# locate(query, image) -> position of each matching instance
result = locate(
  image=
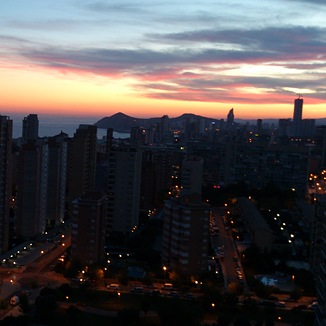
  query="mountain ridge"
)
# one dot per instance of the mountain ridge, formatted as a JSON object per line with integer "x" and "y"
{"x": 121, "y": 122}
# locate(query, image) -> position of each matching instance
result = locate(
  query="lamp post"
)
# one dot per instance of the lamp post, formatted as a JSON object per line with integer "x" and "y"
{"x": 164, "y": 269}
{"x": 41, "y": 260}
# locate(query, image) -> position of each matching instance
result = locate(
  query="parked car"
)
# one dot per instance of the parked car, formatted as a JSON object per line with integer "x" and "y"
{"x": 313, "y": 306}
{"x": 299, "y": 307}
{"x": 113, "y": 286}
{"x": 167, "y": 286}
{"x": 137, "y": 289}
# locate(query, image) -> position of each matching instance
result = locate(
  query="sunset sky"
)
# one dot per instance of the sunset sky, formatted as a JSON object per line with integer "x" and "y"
{"x": 149, "y": 58}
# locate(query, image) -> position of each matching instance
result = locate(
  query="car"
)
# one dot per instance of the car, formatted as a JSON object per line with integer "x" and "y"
{"x": 299, "y": 307}
{"x": 313, "y": 306}
{"x": 113, "y": 286}
{"x": 155, "y": 292}
{"x": 280, "y": 304}
{"x": 289, "y": 299}
{"x": 137, "y": 289}
{"x": 167, "y": 286}
{"x": 188, "y": 295}
{"x": 266, "y": 303}
{"x": 249, "y": 302}
{"x": 174, "y": 294}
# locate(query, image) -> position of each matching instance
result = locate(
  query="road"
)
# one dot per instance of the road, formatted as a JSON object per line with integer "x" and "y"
{"x": 230, "y": 261}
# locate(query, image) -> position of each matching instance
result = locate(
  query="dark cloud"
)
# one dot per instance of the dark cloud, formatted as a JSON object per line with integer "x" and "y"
{"x": 288, "y": 40}
{"x": 105, "y": 7}
{"x": 146, "y": 61}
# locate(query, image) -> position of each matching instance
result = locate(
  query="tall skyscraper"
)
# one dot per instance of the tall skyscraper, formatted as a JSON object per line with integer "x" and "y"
{"x": 30, "y": 128}
{"x": 186, "y": 223}
{"x": 230, "y": 117}
{"x": 192, "y": 175}
{"x": 164, "y": 129}
{"x": 318, "y": 257}
{"x": 5, "y": 179}
{"x": 82, "y": 161}
{"x": 57, "y": 177}
{"x": 88, "y": 231}
{"x": 157, "y": 174}
{"x": 31, "y": 188}
{"x": 123, "y": 188}
{"x": 297, "y": 117}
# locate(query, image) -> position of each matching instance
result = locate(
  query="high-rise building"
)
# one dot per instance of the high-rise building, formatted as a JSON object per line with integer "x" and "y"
{"x": 164, "y": 129}
{"x": 186, "y": 235}
{"x": 318, "y": 257}
{"x": 160, "y": 171}
{"x": 192, "y": 175}
{"x": 284, "y": 127}
{"x": 230, "y": 117}
{"x": 88, "y": 231}
{"x": 57, "y": 176}
{"x": 81, "y": 161}
{"x": 186, "y": 223}
{"x": 30, "y": 128}
{"x": 320, "y": 141}
{"x": 259, "y": 126}
{"x": 123, "y": 188}
{"x": 31, "y": 189}
{"x": 297, "y": 117}
{"x": 5, "y": 179}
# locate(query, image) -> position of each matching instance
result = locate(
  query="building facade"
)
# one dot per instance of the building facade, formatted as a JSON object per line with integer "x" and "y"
{"x": 297, "y": 117}
{"x": 5, "y": 179}
{"x": 30, "y": 128}
{"x": 123, "y": 188}
{"x": 57, "y": 177}
{"x": 88, "y": 231}
{"x": 318, "y": 257}
{"x": 185, "y": 235}
{"x": 31, "y": 189}
{"x": 186, "y": 223}
{"x": 81, "y": 162}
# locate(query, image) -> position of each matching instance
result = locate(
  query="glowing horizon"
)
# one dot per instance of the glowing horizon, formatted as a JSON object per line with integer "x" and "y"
{"x": 150, "y": 59}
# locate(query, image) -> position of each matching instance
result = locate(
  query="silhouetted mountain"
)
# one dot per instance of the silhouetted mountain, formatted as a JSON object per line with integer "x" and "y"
{"x": 121, "y": 122}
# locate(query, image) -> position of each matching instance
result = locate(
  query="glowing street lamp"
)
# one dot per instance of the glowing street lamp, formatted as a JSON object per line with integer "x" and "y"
{"x": 164, "y": 269}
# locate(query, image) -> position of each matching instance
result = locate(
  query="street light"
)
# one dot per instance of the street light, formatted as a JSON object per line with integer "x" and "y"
{"x": 164, "y": 269}
{"x": 41, "y": 259}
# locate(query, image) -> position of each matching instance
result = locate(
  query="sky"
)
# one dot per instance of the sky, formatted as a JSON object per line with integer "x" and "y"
{"x": 149, "y": 58}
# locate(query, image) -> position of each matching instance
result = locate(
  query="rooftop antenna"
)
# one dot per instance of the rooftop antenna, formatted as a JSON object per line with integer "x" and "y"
{"x": 300, "y": 96}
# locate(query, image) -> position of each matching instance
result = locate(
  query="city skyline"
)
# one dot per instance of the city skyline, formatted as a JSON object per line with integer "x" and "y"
{"x": 98, "y": 58}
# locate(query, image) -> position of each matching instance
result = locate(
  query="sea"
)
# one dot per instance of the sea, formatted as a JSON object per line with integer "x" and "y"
{"x": 51, "y": 125}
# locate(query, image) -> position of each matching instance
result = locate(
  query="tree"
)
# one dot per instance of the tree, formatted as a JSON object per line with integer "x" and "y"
{"x": 224, "y": 320}
{"x": 45, "y": 305}
{"x": 23, "y": 303}
{"x": 177, "y": 312}
{"x": 127, "y": 316}
{"x": 123, "y": 277}
{"x": 65, "y": 289}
